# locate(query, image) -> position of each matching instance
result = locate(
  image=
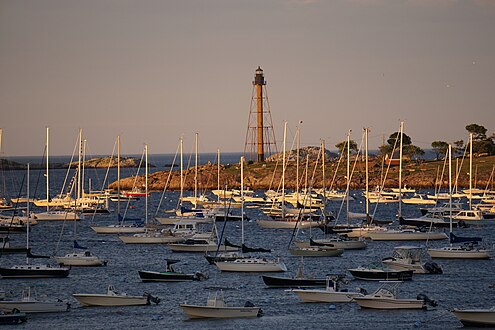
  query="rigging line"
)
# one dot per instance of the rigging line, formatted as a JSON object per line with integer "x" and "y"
{"x": 15, "y": 212}
{"x": 39, "y": 175}
{"x": 168, "y": 180}
{"x": 133, "y": 186}
{"x": 69, "y": 167}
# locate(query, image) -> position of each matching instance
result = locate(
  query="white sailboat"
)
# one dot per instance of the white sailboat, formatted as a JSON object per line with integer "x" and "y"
{"x": 250, "y": 264}
{"x": 469, "y": 250}
{"x": 76, "y": 258}
{"x": 62, "y": 215}
{"x": 119, "y": 228}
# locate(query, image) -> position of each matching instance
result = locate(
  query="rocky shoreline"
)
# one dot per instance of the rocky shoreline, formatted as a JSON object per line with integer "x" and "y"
{"x": 263, "y": 176}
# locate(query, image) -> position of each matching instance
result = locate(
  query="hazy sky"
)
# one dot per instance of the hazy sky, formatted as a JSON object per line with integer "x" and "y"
{"x": 152, "y": 71}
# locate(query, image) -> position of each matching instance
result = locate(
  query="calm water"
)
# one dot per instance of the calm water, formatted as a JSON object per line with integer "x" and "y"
{"x": 463, "y": 284}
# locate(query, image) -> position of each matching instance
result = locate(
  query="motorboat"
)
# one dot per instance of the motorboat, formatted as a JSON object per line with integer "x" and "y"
{"x": 114, "y": 298}
{"x": 379, "y": 272}
{"x": 170, "y": 274}
{"x": 418, "y": 199}
{"x": 408, "y": 257}
{"x": 216, "y": 308}
{"x": 331, "y": 294}
{"x": 387, "y": 297}
{"x": 476, "y": 317}
{"x": 30, "y": 304}
{"x": 85, "y": 258}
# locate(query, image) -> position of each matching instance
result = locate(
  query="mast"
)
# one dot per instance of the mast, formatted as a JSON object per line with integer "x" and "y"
{"x": 323, "y": 185}
{"x": 348, "y": 174}
{"x": 27, "y": 214}
{"x": 196, "y": 172}
{"x": 367, "y": 172}
{"x": 242, "y": 200}
{"x": 78, "y": 195}
{"x": 450, "y": 187}
{"x": 118, "y": 175}
{"x": 83, "y": 168}
{"x": 470, "y": 170}
{"x": 146, "y": 182}
{"x": 283, "y": 172}
{"x": 181, "y": 174}
{"x": 400, "y": 167}
{"x": 218, "y": 173}
{"x": 297, "y": 163}
{"x": 47, "y": 172}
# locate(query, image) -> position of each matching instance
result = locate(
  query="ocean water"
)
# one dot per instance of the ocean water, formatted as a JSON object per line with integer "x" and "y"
{"x": 463, "y": 284}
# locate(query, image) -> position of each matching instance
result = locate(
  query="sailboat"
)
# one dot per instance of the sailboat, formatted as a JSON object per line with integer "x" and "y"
{"x": 405, "y": 234}
{"x": 49, "y": 214}
{"x": 32, "y": 270}
{"x": 119, "y": 228}
{"x": 85, "y": 258}
{"x": 170, "y": 274}
{"x": 250, "y": 264}
{"x": 470, "y": 249}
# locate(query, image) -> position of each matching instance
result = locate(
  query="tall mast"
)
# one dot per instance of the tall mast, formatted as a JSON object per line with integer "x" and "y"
{"x": 47, "y": 171}
{"x": 283, "y": 172}
{"x": 118, "y": 175}
{"x": 218, "y": 173}
{"x": 27, "y": 213}
{"x": 196, "y": 172}
{"x": 146, "y": 182}
{"x": 450, "y": 187}
{"x": 470, "y": 170}
{"x": 367, "y": 171}
{"x": 83, "y": 167}
{"x": 297, "y": 163}
{"x": 400, "y": 167}
{"x": 323, "y": 170}
{"x": 242, "y": 199}
{"x": 181, "y": 174}
{"x": 348, "y": 174}
{"x": 78, "y": 195}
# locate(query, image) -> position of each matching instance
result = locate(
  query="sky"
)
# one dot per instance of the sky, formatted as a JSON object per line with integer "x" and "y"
{"x": 152, "y": 71}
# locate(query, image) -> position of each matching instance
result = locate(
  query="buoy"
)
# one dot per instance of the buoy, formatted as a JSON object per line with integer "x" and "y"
{"x": 332, "y": 307}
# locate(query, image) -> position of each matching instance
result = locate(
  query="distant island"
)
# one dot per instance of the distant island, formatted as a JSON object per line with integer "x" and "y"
{"x": 97, "y": 162}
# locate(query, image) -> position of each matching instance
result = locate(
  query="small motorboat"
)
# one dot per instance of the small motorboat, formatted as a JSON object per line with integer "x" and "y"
{"x": 332, "y": 293}
{"x": 30, "y": 304}
{"x": 170, "y": 275}
{"x": 387, "y": 297}
{"x": 114, "y": 298}
{"x": 14, "y": 317}
{"x": 476, "y": 317}
{"x": 409, "y": 258}
{"x": 216, "y": 308}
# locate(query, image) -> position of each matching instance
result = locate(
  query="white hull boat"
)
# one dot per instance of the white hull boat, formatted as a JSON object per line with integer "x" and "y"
{"x": 81, "y": 259}
{"x": 386, "y": 297}
{"x": 57, "y": 215}
{"x": 459, "y": 252}
{"x": 111, "y": 298}
{"x": 331, "y": 294}
{"x": 29, "y": 304}
{"x": 476, "y": 317}
{"x": 284, "y": 224}
{"x": 406, "y": 235}
{"x": 251, "y": 265}
{"x": 216, "y": 308}
{"x": 118, "y": 229}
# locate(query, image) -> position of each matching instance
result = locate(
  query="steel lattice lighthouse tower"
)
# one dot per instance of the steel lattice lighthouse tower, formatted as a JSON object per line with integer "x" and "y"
{"x": 260, "y": 137}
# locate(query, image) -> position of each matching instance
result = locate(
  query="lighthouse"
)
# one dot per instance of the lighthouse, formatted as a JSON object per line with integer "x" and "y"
{"x": 260, "y": 137}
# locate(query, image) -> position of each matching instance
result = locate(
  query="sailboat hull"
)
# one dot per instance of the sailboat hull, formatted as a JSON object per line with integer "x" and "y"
{"x": 34, "y": 271}
{"x": 117, "y": 229}
{"x": 35, "y": 306}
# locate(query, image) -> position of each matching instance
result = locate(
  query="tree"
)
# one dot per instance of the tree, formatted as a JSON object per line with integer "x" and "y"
{"x": 342, "y": 146}
{"x": 393, "y": 137}
{"x": 440, "y": 148}
{"x": 458, "y": 147}
{"x": 481, "y": 143}
{"x": 408, "y": 149}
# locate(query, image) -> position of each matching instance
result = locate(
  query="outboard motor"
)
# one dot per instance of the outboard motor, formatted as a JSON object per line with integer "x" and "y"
{"x": 427, "y": 300}
{"x": 249, "y": 304}
{"x": 152, "y": 299}
{"x": 198, "y": 276}
{"x": 433, "y": 268}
